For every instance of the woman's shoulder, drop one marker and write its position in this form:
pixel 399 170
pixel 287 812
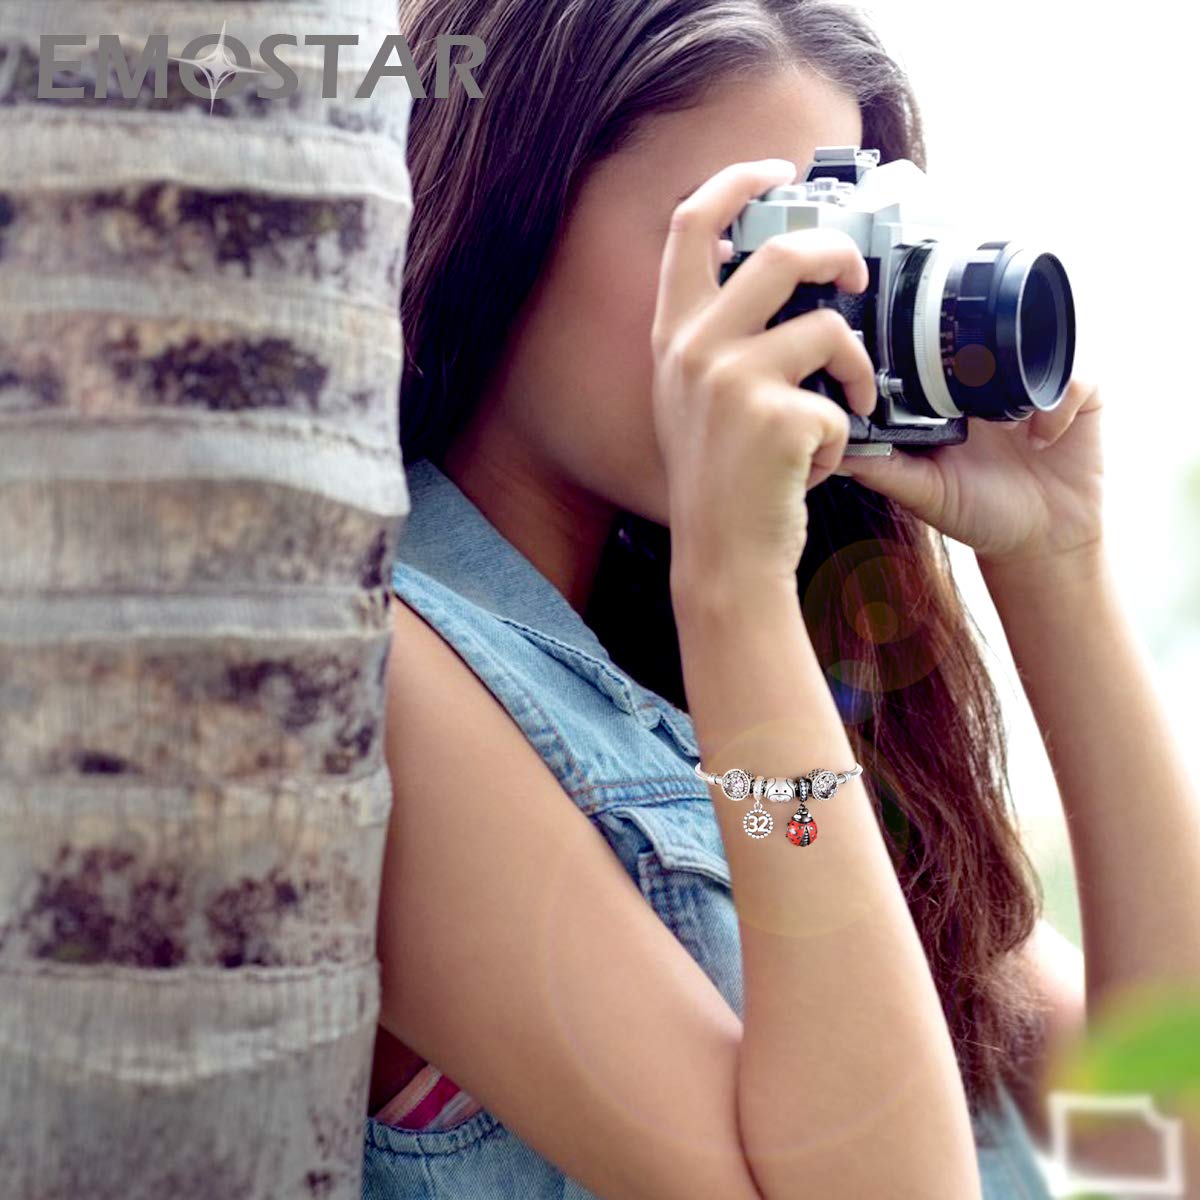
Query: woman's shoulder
pixel 604 735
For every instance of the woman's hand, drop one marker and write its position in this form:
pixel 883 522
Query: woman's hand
pixel 741 442
pixel 998 492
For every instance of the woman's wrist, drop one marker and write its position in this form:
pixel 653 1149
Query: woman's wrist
pixel 1081 568
pixel 709 575
pixel 720 596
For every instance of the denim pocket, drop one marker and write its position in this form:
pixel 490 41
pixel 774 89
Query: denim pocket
pixel 674 851
pixel 470 1161
pixel 438 1141
pixel 681 834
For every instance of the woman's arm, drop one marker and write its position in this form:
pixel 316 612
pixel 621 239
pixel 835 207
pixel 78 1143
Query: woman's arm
pixel 1132 813
pixel 847 1083
pixel 519 956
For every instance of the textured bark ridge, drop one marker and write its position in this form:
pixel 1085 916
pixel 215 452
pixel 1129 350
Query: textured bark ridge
pixel 200 493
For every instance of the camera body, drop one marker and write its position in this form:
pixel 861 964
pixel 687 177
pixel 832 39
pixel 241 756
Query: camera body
pixel 956 328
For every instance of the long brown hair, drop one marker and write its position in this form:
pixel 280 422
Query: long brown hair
pixel 493 183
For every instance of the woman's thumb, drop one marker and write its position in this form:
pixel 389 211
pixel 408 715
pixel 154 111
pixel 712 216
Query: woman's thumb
pixel 909 479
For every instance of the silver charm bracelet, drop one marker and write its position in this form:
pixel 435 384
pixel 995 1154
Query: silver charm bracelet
pixel 802 829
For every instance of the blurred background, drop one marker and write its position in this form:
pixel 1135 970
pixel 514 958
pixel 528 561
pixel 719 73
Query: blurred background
pixel 1059 127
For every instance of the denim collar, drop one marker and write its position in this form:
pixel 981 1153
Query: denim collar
pixel 447 537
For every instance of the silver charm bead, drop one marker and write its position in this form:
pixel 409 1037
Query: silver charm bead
pixel 780 789
pixel 738 784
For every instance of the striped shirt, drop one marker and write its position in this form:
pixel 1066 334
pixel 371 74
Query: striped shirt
pixel 429 1100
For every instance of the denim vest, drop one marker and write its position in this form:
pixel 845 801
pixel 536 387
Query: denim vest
pixel 624 755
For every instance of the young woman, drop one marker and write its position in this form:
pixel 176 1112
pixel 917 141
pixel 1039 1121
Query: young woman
pixel 631 550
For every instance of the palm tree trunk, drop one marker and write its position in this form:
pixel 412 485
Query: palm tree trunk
pixel 200 490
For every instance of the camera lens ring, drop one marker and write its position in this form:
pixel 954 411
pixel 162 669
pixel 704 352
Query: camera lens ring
pixel 993 306
pixel 981 331
pixel 902 322
pixel 929 302
pixel 1036 328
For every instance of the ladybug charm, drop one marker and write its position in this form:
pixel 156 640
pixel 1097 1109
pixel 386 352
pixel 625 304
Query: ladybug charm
pixel 802 829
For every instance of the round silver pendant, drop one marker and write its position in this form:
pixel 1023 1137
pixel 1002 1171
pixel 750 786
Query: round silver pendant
pixel 823 784
pixel 758 822
pixel 735 784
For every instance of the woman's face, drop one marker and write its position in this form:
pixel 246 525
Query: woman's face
pixel 578 377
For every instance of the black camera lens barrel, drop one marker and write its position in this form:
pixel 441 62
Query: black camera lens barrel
pixel 1036 324
pixel 1005 330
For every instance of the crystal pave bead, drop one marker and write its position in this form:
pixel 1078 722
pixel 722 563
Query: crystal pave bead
pixel 735 784
pixel 823 784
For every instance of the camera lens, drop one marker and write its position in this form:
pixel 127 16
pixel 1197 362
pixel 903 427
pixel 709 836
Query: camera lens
pixel 1042 307
pixel 986 331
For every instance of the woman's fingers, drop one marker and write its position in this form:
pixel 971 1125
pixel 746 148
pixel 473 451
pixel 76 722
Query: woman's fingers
pixel 1046 426
pixel 817 428
pixel 764 283
pixel 688 279
pixel 821 338
pixel 912 480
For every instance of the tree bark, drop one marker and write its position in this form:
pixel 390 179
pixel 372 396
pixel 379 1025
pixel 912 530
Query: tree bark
pixel 200 493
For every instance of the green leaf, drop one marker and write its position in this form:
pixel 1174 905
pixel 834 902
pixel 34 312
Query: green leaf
pixel 1149 1042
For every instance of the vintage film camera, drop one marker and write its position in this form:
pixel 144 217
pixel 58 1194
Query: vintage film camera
pixel 955 328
